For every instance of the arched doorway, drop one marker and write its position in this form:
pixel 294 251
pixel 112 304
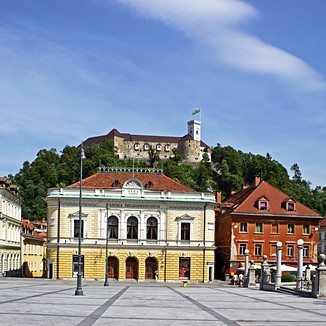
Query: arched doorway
pixel 113 267
pixel 150 268
pixel 132 268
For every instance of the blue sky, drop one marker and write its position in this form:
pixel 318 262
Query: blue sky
pixel 74 69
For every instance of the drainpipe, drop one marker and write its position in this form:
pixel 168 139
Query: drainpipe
pixel 58 237
pixel 204 249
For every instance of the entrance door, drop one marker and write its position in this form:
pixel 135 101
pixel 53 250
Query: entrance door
pixel 50 270
pixel 151 267
pixel 113 267
pixel 131 268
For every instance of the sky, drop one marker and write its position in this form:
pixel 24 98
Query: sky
pixel 75 69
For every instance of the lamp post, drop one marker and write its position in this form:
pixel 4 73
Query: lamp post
pixel 79 289
pixel 106 283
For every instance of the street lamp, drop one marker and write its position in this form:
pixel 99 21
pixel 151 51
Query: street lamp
pixel 106 283
pixel 79 289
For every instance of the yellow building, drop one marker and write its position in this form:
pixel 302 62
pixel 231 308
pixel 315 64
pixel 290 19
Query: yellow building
pixel 33 249
pixel 153 224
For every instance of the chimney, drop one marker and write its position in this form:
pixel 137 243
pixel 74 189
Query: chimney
pixel 233 192
pixel 218 197
pixel 256 181
pixel 244 186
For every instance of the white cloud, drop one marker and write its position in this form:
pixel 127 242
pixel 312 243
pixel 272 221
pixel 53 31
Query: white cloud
pixel 217 24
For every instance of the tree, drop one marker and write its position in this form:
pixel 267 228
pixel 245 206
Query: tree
pixel 153 156
pixel 296 173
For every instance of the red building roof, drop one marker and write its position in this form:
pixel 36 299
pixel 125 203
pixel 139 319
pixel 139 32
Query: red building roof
pixel 323 222
pixel 245 201
pixel 116 180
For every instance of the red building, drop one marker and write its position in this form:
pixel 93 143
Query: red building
pixel 255 219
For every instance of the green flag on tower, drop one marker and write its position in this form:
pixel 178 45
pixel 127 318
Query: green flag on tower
pixel 195 111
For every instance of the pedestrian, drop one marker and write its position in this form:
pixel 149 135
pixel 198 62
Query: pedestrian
pixel 235 279
pixel 240 279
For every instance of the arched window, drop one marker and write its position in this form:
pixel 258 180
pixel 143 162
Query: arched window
pixel 113 227
pixel 132 228
pixel 152 228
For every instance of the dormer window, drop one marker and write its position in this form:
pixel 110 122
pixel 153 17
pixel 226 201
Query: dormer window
pixel 290 206
pixel 262 203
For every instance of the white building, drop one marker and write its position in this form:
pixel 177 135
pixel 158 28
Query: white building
pixel 10 226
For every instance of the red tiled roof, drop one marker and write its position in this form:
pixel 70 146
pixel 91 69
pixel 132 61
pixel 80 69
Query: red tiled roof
pixel 245 201
pixel 323 222
pixel 111 180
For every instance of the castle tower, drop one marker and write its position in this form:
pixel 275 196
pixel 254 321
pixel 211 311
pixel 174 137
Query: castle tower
pixel 194 129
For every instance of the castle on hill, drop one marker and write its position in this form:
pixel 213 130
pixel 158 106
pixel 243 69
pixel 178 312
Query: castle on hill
pixel 129 146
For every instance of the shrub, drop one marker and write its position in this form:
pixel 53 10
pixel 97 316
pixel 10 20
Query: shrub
pixel 288 278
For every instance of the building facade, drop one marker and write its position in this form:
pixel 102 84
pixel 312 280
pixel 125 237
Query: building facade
pixel 150 222
pixel 322 236
pixel 33 248
pixel 129 146
pixel 10 223
pixel 256 219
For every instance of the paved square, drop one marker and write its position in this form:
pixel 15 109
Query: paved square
pixel 53 302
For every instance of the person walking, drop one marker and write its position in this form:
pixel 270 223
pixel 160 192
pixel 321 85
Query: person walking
pixel 240 279
pixel 235 279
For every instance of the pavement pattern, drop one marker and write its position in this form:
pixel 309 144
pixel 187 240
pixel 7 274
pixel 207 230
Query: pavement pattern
pixel 53 302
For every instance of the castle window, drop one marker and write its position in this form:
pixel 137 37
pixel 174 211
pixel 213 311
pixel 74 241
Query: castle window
pixel 146 147
pixel 167 148
pixel 136 146
pixel 158 147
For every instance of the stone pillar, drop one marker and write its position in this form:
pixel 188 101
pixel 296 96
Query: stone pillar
pixel 307 276
pixel 265 274
pixel 251 275
pixel 320 286
pixel 245 283
pixel 278 278
pixel 300 264
pixel 246 262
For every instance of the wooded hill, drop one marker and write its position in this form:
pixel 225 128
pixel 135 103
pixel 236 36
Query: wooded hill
pixel 228 170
